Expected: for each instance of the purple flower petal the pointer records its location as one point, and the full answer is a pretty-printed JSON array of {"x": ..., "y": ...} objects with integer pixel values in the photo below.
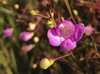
[
  {"x": 25, "y": 36},
  {"x": 54, "y": 39},
  {"x": 65, "y": 29},
  {"x": 8, "y": 33},
  {"x": 88, "y": 30},
  {"x": 79, "y": 30},
  {"x": 68, "y": 45}
]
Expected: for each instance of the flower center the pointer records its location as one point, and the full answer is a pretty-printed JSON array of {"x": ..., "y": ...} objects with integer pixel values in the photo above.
[{"x": 66, "y": 30}]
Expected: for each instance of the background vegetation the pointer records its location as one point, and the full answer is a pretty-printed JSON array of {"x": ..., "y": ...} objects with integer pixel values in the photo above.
[{"x": 17, "y": 58}]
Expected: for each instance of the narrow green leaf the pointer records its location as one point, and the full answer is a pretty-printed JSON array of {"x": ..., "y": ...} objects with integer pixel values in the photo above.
[
  {"x": 1, "y": 22},
  {"x": 4, "y": 63},
  {"x": 13, "y": 61},
  {"x": 11, "y": 20}
]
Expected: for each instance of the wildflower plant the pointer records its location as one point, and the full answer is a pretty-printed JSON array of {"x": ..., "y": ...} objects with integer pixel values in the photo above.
[
  {"x": 25, "y": 36},
  {"x": 66, "y": 34},
  {"x": 8, "y": 33},
  {"x": 49, "y": 36},
  {"x": 89, "y": 30}
]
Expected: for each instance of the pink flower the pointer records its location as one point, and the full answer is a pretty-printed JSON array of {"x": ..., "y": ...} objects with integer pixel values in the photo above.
[
  {"x": 65, "y": 35},
  {"x": 25, "y": 36},
  {"x": 8, "y": 33},
  {"x": 89, "y": 30},
  {"x": 26, "y": 48}
]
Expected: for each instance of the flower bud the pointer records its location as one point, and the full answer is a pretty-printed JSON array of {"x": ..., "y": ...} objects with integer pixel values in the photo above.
[
  {"x": 33, "y": 12},
  {"x": 4, "y": 2},
  {"x": 25, "y": 36},
  {"x": 56, "y": 1},
  {"x": 82, "y": 1},
  {"x": 8, "y": 33},
  {"x": 50, "y": 24},
  {"x": 81, "y": 59},
  {"x": 34, "y": 65},
  {"x": 45, "y": 63},
  {"x": 75, "y": 12},
  {"x": 51, "y": 61},
  {"x": 36, "y": 39},
  {"x": 27, "y": 48},
  {"x": 31, "y": 26},
  {"x": 16, "y": 6},
  {"x": 89, "y": 30},
  {"x": 52, "y": 14}
]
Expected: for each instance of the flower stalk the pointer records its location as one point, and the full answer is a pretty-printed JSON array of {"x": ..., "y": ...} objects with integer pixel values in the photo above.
[
  {"x": 68, "y": 7},
  {"x": 77, "y": 62},
  {"x": 62, "y": 56}
]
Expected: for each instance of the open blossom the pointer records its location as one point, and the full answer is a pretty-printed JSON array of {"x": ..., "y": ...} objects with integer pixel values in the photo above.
[
  {"x": 65, "y": 34},
  {"x": 89, "y": 30},
  {"x": 8, "y": 33},
  {"x": 25, "y": 36}
]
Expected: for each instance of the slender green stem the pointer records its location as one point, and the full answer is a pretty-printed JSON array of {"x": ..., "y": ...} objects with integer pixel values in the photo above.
[
  {"x": 54, "y": 22},
  {"x": 96, "y": 32},
  {"x": 12, "y": 56},
  {"x": 30, "y": 64},
  {"x": 47, "y": 17},
  {"x": 69, "y": 9},
  {"x": 95, "y": 47},
  {"x": 6, "y": 10},
  {"x": 62, "y": 56},
  {"x": 66, "y": 61},
  {"x": 94, "y": 43},
  {"x": 87, "y": 62},
  {"x": 77, "y": 62},
  {"x": 52, "y": 18},
  {"x": 72, "y": 65}
]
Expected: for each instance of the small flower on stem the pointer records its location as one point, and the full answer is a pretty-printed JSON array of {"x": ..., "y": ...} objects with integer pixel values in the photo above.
[
  {"x": 75, "y": 12},
  {"x": 25, "y": 36},
  {"x": 27, "y": 48},
  {"x": 4, "y": 2},
  {"x": 32, "y": 26},
  {"x": 45, "y": 63},
  {"x": 8, "y": 33},
  {"x": 34, "y": 66},
  {"x": 16, "y": 6},
  {"x": 65, "y": 34},
  {"x": 89, "y": 30},
  {"x": 33, "y": 12},
  {"x": 36, "y": 39}
]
